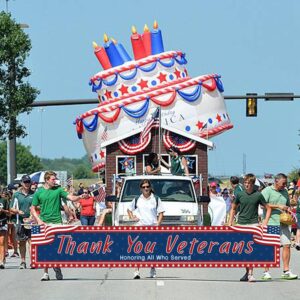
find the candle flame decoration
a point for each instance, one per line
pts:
(133, 29)
(155, 25)
(105, 38)
(146, 29)
(95, 45)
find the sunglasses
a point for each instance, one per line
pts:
(27, 181)
(145, 187)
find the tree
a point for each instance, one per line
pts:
(15, 94)
(70, 165)
(81, 172)
(26, 162)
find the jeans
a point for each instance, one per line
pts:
(87, 220)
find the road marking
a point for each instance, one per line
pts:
(160, 283)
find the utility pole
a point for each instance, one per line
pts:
(11, 142)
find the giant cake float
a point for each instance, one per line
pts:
(156, 83)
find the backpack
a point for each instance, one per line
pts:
(136, 199)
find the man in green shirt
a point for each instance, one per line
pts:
(278, 199)
(248, 200)
(20, 205)
(48, 198)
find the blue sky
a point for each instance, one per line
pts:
(254, 45)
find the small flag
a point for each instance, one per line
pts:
(268, 235)
(44, 234)
(100, 197)
(70, 181)
(153, 122)
(104, 134)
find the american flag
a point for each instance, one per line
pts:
(44, 234)
(70, 181)
(154, 121)
(101, 195)
(267, 235)
(104, 134)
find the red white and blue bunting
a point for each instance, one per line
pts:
(110, 112)
(135, 145)
(182, 143)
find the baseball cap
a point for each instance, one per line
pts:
(12, 186)
(26, 178)
(213, 184)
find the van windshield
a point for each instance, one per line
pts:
(167, 190)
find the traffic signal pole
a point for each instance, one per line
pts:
(267, 97)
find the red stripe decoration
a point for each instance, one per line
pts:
(261, 235)
(165, 102)
(184, 147)
(114, 104)
(110, 119)
(128, 67)
(99, 167)
(215, 131)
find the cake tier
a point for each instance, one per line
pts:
(138, 77)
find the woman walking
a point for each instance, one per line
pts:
(148, 211)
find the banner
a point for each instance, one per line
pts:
(163, 246)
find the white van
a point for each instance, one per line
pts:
(176, 192)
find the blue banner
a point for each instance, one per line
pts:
(172, 246)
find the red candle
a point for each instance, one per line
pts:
(137, 45)
(102, 56)
(146, 36)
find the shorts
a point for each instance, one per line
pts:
(285, 235)
(23, 234)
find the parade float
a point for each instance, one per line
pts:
(133, 95)
(130, 91)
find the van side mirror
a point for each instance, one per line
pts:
(111, 198)
(203, 199)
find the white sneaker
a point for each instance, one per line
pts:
(289, 275)
(251, 278)
(266, 276)
(152, 273)
(45, 277)
(58, 273)
(136, 275)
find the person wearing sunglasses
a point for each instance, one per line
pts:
(20, 205)
(146, 210)
(87, 207)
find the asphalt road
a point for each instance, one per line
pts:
(86, 284)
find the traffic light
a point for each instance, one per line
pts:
(251, 105)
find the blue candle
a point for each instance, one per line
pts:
(123, 53)
(112, 52)
(157, 45)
